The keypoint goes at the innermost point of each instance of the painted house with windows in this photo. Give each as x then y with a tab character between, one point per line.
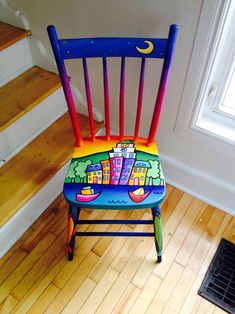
121	162
126	170
139	172
121	168
116	161
105	171
94	173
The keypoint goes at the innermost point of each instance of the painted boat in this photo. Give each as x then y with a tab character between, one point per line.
138	195
86	197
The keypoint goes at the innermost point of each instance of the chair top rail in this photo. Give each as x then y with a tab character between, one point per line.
113	47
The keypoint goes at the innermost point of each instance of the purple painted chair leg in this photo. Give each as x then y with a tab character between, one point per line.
157	223
72	222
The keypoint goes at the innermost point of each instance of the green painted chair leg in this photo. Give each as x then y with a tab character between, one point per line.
159	257
157	223
72	222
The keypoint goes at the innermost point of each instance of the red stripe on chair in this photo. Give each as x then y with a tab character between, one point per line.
106	98
140	99
88	97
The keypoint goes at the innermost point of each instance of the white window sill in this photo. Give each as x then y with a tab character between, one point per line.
221	131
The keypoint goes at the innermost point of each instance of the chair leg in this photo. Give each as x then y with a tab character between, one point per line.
157	224
72	222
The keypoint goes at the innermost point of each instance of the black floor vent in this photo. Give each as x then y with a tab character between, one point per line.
218	285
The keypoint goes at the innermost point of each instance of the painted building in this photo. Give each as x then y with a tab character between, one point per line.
120	169
139	172
121	162
125	143
115	168
126	170
94	173
105	171
128	152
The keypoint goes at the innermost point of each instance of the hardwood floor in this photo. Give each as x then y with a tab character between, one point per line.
115	275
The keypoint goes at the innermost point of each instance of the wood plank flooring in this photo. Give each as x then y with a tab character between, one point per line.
115	275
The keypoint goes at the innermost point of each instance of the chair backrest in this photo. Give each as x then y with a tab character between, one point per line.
161	48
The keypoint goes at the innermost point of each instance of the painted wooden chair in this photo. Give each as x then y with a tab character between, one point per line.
114	172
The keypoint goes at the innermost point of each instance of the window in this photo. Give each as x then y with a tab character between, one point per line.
228	105
119	162
216	108
113	161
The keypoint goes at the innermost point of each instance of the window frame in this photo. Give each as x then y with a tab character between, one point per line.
211	116
210	25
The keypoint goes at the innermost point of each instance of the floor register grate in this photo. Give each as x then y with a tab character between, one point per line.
218	285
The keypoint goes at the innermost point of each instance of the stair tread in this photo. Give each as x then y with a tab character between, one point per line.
10	34
23	93
28	171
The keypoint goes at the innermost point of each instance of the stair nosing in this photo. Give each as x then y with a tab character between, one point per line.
23	34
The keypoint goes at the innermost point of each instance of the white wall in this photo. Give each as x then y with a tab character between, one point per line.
195	167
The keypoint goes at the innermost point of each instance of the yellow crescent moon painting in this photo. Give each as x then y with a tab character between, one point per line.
147	50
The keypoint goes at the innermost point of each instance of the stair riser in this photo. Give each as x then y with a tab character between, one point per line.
24	218
21	132
15	60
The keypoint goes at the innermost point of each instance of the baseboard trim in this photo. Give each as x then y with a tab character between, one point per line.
204	187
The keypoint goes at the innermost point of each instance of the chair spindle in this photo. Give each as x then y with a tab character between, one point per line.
121	99
88	97
65	84
106	98
163	81
140	99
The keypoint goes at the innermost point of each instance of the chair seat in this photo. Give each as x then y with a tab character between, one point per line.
117	173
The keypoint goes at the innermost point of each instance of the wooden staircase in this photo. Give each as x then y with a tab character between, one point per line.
9	35
25	92
36	143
